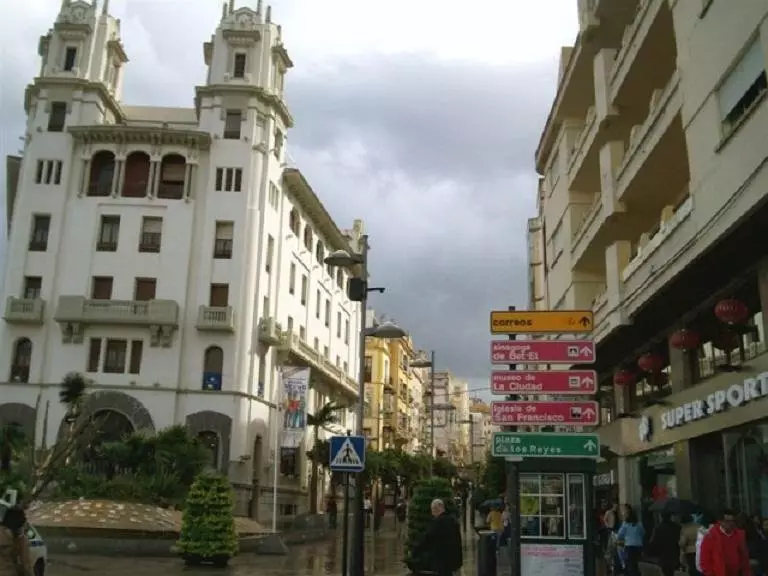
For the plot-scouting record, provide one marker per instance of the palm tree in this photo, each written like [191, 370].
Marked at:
[12, 438]
[320, 419]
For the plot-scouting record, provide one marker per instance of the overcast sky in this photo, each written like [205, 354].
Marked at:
[420, 117]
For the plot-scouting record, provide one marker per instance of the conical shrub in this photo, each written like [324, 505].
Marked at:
[420, 513]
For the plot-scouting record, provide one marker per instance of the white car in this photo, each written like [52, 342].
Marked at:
[36, 543]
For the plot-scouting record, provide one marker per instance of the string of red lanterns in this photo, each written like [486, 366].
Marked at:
[731, 311]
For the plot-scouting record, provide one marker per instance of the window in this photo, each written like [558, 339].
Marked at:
[219, 296]
[22, 359]
[32, 287]
[137, 349]
[346, 331]
[232, 124]
[144, 289]
[292, 279]
[338, 361]
[274, 195]
[576, 513]
[542, 506]
[316, 344]
[338, 324]
[328, 313]
[304, 289]
[346, 367]
[38, 241]
[109, 231]
[101, 288]
[290, 324]
[70, 56]
[265, 307]
[308, 238]
[294, 222]
[270, 253]
[326, 352]
[94, 355]
[48, 172]
[213, 366]
[320, 253]
[279, 141]
[303, 333]
[115, 356]
[57, 117]
[745, 83]
[222, 245]
[340, 278]
[173, 171]
[318, 302]
[151, 234]
[239, 69]
[289, 463]
[229, 179]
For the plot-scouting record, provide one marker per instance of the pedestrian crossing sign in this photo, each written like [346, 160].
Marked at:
[347, 453]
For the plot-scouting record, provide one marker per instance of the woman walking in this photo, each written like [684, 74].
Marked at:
[15, 558]
[630, 539]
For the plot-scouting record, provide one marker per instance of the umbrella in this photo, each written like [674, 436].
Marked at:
[675, 506]
[493, 503]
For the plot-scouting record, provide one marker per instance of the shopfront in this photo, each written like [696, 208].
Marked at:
[708, 443]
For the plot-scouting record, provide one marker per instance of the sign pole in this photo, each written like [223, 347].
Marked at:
[513, 496]
[345, 528]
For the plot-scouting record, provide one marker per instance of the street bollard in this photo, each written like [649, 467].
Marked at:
[486, 553]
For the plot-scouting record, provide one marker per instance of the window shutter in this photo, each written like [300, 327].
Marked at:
[743, 75]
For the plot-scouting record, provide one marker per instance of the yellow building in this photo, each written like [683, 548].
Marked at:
[377, 379]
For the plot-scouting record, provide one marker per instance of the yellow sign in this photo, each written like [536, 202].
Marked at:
[542, 322]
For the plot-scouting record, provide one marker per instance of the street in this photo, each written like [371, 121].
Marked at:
[385, 557]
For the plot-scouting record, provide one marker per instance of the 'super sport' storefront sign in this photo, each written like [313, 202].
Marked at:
[731, 397]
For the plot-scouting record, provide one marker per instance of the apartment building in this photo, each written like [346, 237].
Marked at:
[171, 255]
[481, 429]
[651, 211]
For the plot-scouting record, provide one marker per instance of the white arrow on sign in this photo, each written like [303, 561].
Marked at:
[590, 445]
[585, 351]
[587, 382]
[588, 413]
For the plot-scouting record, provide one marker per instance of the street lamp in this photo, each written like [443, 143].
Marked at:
[358, 292]
[431, 365]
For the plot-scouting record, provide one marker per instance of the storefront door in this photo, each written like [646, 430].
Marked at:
[747, 469]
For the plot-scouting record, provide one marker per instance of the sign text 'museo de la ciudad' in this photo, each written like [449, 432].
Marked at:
[732, 397]
[563, 382]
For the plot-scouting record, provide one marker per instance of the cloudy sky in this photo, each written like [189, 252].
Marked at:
[420, 117]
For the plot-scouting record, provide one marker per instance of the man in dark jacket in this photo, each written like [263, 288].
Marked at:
[442, 542]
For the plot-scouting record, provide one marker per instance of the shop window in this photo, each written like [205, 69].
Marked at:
[542, 506]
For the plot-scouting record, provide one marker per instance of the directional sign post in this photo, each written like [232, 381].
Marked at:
[347, 453]
[545, 445]
[542, 352]
[541, 322]
[560, 382]
[545, 413]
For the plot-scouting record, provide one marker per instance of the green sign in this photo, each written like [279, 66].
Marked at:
[546, 445]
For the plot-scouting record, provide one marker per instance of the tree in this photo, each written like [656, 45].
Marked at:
[12, 439]
[444, 468]
[495, 475]
[320, 419]
[208, 523]
[420, 515]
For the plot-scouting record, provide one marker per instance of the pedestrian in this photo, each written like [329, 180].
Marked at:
[441, 548]
[689, 534]
[665, 543]
[332, 509]
[15, 557]
[401, 515]
[368, 510]
[724, 549]
[630, 540]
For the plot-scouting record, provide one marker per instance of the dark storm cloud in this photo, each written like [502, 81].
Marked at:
[441, 170]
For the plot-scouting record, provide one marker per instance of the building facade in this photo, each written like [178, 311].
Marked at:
[481, 430]
[202, 271]
[651, 204]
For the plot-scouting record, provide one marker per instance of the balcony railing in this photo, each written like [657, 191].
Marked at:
[24, 310]
[222, 249]
[587, 219]
[150, 242]
[216, 319]
[628, 39]
[270, 331]
[294, 344]
[129, 312]
[581, 139]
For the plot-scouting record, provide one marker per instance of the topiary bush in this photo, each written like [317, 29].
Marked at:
[420, 515]
[208, 525]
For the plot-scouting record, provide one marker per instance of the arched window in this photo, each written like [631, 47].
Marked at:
[294, 221]
[173, 170]
[308, 237]
[136, 179]
[22, 358]
[210, 440]
[112, 426]
[102, 173]
[213, 365]
[320, 253]
[339, 278]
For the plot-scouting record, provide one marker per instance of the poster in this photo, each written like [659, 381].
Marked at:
[295, 384]
[552, 559]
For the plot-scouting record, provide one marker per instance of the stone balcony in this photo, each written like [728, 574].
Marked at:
[74, 313]
[215, 319]
[299, 350]
[270, 332]
[24, 310]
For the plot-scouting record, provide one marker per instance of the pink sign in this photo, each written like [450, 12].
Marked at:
[563, 382]
[545, 413]
[542, 351]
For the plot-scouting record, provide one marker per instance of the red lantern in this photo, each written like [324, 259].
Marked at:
[650, 362]
[731, 311]
[623, 378]
[726, 341]
[684, 339]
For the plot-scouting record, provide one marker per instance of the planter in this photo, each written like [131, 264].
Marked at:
[219, 561]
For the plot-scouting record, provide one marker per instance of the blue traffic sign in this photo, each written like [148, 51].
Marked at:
[347, 453]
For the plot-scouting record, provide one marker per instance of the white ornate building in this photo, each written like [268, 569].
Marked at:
[170, 255]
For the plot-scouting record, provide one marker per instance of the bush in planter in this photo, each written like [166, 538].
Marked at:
[208, 525]
[420, 515]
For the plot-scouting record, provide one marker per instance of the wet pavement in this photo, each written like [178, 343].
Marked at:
[384, 557]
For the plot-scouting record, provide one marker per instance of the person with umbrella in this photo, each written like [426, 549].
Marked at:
[665, 543]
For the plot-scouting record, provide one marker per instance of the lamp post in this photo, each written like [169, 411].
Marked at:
[358, 292]
[431, 365]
